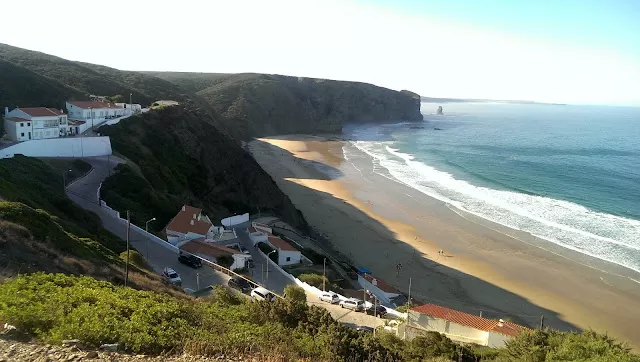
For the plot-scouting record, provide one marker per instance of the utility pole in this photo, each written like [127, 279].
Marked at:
[198, 280]
[126, 279]
[409, 301]
[324, 273]
[480, 314]
[91, 114]
[130, 103]
[542, 321]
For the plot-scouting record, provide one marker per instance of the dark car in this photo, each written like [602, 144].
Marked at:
[240, 284]
[190, 260]
[364, 329]
[379, 311]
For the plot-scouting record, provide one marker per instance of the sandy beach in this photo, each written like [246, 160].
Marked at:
[487, 269]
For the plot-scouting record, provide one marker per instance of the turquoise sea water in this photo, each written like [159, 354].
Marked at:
[567, 174]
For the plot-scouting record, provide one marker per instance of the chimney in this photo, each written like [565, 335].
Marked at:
[195, 217]
[183, 207]
[6, 111]
[191, 222]
[501, 323]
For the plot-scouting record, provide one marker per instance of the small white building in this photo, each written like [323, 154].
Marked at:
[458, 326]
[257, 236]
[93, 113]
[23, 124]
[287, 254]
[382, 290]
[190, 224]
[209, 250]
[130, 108]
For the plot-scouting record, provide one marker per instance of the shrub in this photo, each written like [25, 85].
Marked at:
[314, 279]
[225, 260]
[136, 259]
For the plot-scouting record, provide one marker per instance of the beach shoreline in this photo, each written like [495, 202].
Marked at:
[487, 268]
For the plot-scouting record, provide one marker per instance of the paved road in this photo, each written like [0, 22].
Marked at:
[84, 193]
[346, 316]
[276, 279]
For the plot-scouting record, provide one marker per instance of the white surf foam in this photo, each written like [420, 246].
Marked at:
[604, 236]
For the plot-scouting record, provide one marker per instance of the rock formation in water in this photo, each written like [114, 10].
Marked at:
[439, 112]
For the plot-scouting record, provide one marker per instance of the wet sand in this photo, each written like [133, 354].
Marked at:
[486, 269]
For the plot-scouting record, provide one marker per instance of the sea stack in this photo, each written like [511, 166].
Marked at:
[439, 112]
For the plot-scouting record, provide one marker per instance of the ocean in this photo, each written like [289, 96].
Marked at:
[566, 174]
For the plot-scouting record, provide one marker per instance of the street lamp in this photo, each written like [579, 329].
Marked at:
[131, 103]
[267, 282]
[146, 229]
[64, 178]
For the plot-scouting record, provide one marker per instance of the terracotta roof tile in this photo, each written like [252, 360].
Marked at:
[93, 104]
[281, 244]
[184, 222]
[382, 285]
[41, 112]
[199, 246]
[469, 320]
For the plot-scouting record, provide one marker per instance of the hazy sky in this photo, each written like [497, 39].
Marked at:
[567, 51]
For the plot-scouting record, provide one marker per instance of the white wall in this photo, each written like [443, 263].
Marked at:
[258, 237]
[456, 332]
[10, 129]
[61, 147]
[235, 220]
[379, 293]
[294, 257]
[497, 340]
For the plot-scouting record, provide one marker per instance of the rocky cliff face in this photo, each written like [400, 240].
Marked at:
[253, 105]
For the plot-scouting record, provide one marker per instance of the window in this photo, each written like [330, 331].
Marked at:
[21, 134]
[29, 124]
[21, 124]
[288, 258]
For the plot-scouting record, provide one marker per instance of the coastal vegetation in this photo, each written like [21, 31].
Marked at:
[55, 307]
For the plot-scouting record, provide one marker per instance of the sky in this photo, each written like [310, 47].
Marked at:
[565, 51]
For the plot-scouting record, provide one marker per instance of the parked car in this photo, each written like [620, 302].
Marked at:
[260, 294]
[364, 329]
[244, 250]
[190, 260]
[171, 276]
[378, 311]
[240, 284]
[355, 304]
[329, 297]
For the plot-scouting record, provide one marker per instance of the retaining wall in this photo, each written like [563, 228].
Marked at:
[60, 147]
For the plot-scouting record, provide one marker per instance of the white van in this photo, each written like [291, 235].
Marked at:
[260, 293]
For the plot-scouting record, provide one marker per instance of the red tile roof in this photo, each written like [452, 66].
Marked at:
[281, 244]
[199, 246]
[469, 320]
[41, 112]
[93, 104]
[16, 119]
[184, 222]
[382, 285]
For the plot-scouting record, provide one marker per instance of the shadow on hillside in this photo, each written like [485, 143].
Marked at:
[432, 282]
[316, 170]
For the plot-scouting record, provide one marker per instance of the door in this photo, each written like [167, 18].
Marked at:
[29, 135]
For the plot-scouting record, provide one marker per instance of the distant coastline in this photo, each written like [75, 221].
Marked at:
[472, 100]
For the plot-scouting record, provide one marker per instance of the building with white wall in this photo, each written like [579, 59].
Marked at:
[459, 326]
[382, 290]
[209, 250]
[130, 108]
[36, 123]
[190, 223]
[257, 236]
[287, 254]
[93, 113]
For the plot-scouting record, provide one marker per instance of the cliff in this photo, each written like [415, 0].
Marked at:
[183, 158]
[253, 105]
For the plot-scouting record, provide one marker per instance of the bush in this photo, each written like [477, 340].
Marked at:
[314, 279]
[314, 256]
[136, 259]
[225, 260]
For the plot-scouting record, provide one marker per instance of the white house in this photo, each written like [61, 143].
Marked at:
[459, 326]
[209, 250]
[257, 236]
[382, 290]
[92, 112]
[23, 124]
[190, 224]
[130, 107]
[287, 254]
